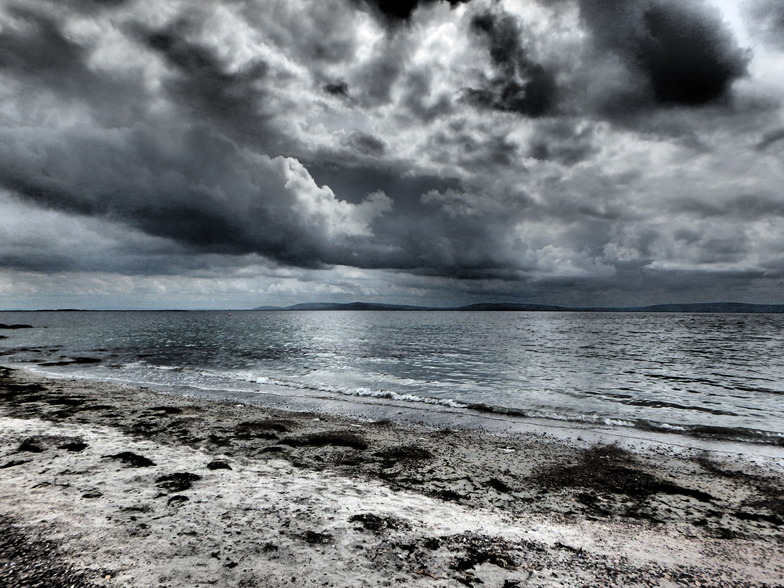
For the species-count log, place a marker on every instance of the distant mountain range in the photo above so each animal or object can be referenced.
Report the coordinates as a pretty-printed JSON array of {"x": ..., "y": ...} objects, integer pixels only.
[{"x": 714, "y": 307}]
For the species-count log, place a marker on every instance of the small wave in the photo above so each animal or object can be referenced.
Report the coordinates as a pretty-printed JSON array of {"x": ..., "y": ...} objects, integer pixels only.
[
  {"x": 760, "y": 389},
  {"x": 332, "y": 389},
  {"x": 663, "y": 404},
  {"x": 719, "y": 433},
  {"x": 504, "y": 410},
  {"x": 144, "y": 374},
  {"x": 407, "y": 397}
]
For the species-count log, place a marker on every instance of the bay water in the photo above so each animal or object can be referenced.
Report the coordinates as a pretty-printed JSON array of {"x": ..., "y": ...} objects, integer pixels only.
[{"x": 716, "y": 375}]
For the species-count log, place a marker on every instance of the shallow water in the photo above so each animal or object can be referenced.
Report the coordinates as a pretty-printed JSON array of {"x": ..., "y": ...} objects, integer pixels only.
[{"x": 711, "y": 374}]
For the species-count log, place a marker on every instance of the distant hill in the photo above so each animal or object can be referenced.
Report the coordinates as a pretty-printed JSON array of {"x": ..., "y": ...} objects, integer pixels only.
[
  {"x": 718, "y": 307},
  {"x": 711, "y": 307},
  {"x": 511, "y": 306},
  {"x": 351, "y": 306}
]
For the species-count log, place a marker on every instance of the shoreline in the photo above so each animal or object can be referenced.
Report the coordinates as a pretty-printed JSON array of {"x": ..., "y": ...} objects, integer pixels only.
[
  {"x": 476, "y": 417},
  {"x": 335, "y": 500}
]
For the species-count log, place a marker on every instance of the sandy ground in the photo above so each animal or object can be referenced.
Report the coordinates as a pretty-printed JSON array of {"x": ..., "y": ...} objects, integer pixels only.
[{"x": 103, "y": 485}]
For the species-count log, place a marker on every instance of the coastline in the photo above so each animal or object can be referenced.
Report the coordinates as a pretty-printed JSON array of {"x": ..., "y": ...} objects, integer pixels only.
[{"x": 314, "y": 499}]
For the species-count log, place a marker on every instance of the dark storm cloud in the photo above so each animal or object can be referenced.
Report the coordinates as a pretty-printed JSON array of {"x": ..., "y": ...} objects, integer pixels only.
[
  {"x": 339, "y": 88},
  {"x": 196, "y": 188},
  {"x": 40, "y": 63},
  {"x": 418, "y": 98},
  {"x": 681, "y": 51},
  {"x": 519, "y": 84},
  {"x": 40, "y": 53},
  {"x": 566, "y": 141},
  {"x": 50, "y": 240},
  {"x": 93, "y": 4},
  {"x": 403, "y": 188},
  {"x": 439, "y": 227},
  {"x": 445, "y": 241},
  {"x": 641, "y": 286},
  {"x": 200, "y": 82},
  {"x": 402, "y": 9},
  {"x": 365, "y": 143},
  {"x": 486, "y": 151}
]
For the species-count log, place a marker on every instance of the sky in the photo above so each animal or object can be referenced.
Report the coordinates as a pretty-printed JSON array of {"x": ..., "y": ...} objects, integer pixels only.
[{"x": 238, "y": 153}]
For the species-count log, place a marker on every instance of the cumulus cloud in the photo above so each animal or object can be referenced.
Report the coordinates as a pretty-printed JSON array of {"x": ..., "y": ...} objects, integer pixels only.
[
  {"x": 195, "y": 187},
  {"x": 515, "y": 148}
]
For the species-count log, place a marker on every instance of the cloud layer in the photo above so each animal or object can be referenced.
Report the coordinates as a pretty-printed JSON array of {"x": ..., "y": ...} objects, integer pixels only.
[{"x": 558, "y": 150}]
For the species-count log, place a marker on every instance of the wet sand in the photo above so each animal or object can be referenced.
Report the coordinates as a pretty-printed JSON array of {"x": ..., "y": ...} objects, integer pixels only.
[{"x": 105, "y": 485}]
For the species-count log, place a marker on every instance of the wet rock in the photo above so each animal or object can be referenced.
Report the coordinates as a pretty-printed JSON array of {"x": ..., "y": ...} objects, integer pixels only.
[
  {"x": 177, "y": 482},
  {"x": 218, "y": 465},
  {"x": 480, "y": 549},
  {"x": 29, "y": 446},
  {"x": 71, "y": 361},
  {"x": 262, "y": 429},
  {"x": 759, "y": 517},
  {"x": 74, "y": 447},
  {"x": 376, "y": 523},
  {"x": 431, "y": 543},
  {"x": 44, "y": 442},
  {"x": 448, "y": 495},
  {"x": 131, "y": 459},
  {"x": 334, "y": 438},
  {"x": 137, "y": 508},
  {"x": 611, "y": 469},
  {"x": 166, "y": 409},
  {"x": 403, "y": 452},
  {"x": 66, "y": 401},
  {"x": 98, "y": 407},
  {"x": 144, "y": 428},
  {"x": 177, "y": 500},
  {"x": 771, "y": 498},
  {"x": 218, "y": 440},
  {"x": 595, "y": 504},
  {"x": 315, "y": 538},
  {"x": 276, "y": 425},
  {"x": 499, "y": 486},
  {"x": 13, "y": 463}
]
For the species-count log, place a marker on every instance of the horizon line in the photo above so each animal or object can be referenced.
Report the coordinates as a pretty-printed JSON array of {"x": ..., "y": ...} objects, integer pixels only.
[{"x": 414, "y": 308}]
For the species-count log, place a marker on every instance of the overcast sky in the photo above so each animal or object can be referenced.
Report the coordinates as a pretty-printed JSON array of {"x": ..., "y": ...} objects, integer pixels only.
[{"x": 230, "y": 153}]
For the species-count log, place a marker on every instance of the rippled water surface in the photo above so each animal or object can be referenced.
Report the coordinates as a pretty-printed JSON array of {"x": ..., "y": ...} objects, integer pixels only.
[{"x": 679, "y": 372}]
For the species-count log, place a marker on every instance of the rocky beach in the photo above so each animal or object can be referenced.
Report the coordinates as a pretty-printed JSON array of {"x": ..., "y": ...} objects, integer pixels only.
[{"x": 109, "y": 485}]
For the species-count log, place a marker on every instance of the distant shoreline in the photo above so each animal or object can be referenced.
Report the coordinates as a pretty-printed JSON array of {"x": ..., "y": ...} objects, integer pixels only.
[
  {"x": 686, "y": 308},
  {"x": 710, "y": 307}
]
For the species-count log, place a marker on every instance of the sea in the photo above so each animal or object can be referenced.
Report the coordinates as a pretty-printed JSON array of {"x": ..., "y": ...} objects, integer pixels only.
[{"x": 705, "y": 375}]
